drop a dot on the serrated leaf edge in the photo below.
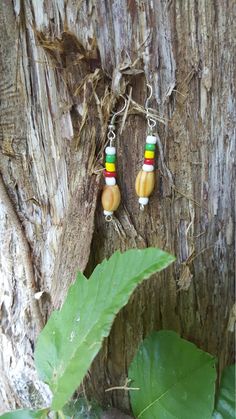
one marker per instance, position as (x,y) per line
(148,272)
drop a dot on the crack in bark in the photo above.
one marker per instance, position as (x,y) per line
(37,317)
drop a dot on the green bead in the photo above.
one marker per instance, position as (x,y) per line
(150,147)
(110,158)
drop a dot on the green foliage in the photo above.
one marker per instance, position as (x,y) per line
(225,402)
(26,414)
(175,378)
(73,336)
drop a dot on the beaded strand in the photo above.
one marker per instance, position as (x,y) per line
(111,193)
(145,180)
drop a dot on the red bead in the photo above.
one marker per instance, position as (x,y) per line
(109,174)
(149,161)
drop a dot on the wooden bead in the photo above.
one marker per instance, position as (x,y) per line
(111,198)
(144,183)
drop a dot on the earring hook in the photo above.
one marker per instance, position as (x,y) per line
(111,127)
(117,113)
(151,121)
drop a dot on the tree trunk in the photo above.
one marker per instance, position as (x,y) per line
(63,68)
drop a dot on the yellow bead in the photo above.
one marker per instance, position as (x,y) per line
(149,154)
(111,198)
(144,183)
(110,167)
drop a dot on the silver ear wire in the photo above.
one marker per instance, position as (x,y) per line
(151,122)
(111,127)
(119,112)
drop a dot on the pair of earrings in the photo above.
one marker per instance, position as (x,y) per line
(145,179)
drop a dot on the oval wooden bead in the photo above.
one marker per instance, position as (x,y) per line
(111,198)
(144,183)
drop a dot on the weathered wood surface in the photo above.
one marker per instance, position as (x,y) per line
(63,65)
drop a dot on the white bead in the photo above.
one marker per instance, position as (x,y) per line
(111,181)
(107,212)
(110,150)
(143,200)
(151,139)
(148,167)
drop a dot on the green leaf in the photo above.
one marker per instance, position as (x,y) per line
(225,403)
(25,414)
(175,378)
(73,336)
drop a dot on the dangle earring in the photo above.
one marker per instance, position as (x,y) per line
(145,180)
(111,192)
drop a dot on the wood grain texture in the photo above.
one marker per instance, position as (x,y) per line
(63,67)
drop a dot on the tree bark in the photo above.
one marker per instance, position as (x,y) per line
(63,68)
